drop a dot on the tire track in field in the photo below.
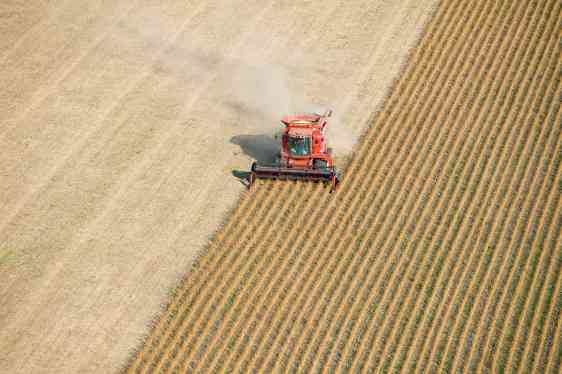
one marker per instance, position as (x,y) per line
(430,245)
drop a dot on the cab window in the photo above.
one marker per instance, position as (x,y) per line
(299,146)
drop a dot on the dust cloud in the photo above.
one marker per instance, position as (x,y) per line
(262,93)
(245,89)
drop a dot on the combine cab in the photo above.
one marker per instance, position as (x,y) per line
(304,154)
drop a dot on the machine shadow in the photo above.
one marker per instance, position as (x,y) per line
(262,148)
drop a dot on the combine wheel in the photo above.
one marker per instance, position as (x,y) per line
(252,176)
(251,179)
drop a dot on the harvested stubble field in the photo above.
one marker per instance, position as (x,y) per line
(440,252)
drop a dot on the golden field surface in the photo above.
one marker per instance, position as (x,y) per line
(122,126)
(441,250)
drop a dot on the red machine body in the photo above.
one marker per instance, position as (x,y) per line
(311,129)
(304,153)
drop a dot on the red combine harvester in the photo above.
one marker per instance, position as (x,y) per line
(304,154)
